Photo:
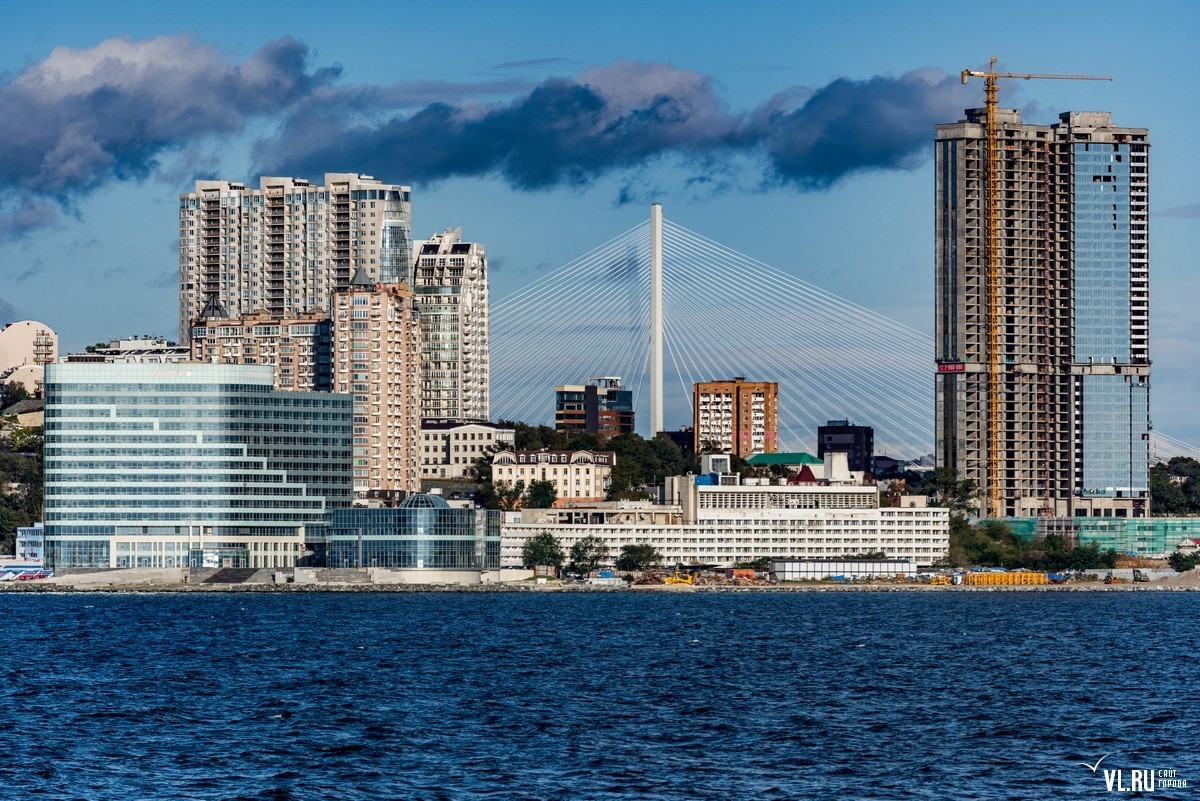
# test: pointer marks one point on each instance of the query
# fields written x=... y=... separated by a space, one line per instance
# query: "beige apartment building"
x=376 y=355
x=578 y=476
x=26 y=347
x=738 y=416
x=286 y=246
x=297 y=346
x=450 y=449
x=450 y=281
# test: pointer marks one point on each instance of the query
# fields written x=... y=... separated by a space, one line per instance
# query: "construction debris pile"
x=704 y=578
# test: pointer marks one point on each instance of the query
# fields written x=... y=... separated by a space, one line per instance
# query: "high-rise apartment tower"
x=375 y=360
x=285 y=247
x=1072 y=330
x=451 y=288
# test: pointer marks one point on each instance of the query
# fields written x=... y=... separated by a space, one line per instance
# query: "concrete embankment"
x=528 y=586
x=390 y=580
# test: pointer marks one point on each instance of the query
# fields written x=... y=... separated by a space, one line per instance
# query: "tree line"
x=992 y=543
x=1175 y=487
x=20 y=471
x=587 y=554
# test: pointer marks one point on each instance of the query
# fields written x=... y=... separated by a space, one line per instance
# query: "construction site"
x=1042 y=339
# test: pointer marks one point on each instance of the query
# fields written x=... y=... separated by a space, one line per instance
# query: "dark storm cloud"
x=570 y=131
x=851 y=126
x=564 y=131
x=81 y=119
x=23 y=215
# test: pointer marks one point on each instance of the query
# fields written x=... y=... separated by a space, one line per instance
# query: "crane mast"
x=995 y=499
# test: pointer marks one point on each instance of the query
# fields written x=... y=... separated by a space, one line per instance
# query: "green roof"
x=787 y=459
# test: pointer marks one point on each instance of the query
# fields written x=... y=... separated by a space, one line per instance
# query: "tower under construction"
x=1043 y=361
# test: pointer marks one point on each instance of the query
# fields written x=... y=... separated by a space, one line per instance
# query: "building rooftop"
x=445 y=425
x=362 y=278
x=423 y=501
x=25 y=406
x=785 y=459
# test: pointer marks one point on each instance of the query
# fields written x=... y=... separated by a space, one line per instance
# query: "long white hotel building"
x=721 y=519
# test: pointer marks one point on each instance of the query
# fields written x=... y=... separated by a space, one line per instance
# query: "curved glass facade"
x=416 y=536
x=171 y=465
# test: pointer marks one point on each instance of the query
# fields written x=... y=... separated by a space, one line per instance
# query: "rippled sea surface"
x=596 y=696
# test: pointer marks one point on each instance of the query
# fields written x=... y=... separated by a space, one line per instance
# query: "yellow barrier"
x=1014 y=579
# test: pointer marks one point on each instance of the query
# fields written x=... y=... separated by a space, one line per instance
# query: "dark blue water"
x=548 y=696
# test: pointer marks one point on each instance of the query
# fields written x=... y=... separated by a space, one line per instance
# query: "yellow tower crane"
x=995 y=499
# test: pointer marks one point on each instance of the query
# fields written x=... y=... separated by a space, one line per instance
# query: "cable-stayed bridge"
x=723 y=314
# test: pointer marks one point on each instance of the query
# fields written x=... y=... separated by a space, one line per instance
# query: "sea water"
x=597 y=695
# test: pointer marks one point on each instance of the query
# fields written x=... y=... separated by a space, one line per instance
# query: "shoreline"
x=64 y=589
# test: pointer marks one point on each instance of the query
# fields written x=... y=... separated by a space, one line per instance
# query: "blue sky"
x=104 y=263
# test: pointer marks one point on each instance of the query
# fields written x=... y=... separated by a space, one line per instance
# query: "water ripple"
x=606 y=696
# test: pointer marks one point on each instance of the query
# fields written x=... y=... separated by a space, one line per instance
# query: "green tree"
x=1183 y=562
x=542 y=549
x=945 y=489
x=588 y=554
x=641 y=556
x=12 y=392
x=27 y=439
x=508 y=496
x=642 y=463
x=992 y=543
x=540 y=495
x=1166 y=492
x=20 y=489
x=1175 y=487
x=481 y=471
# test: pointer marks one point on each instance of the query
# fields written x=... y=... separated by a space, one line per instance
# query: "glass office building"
x=1112 y=424
x=423 y=532
x=174 y=465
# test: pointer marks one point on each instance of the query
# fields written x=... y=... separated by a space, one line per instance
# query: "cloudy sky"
x=796 y=133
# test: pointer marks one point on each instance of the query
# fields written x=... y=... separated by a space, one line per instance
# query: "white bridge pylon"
x=723 y=314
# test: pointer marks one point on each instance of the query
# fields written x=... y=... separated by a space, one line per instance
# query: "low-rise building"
x=599 y=407
x=817 y=569
x=422 y=533
x=450 y=449
x=577 y=476
x=720 y=519
x=1151 y=537
x=31 y=544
